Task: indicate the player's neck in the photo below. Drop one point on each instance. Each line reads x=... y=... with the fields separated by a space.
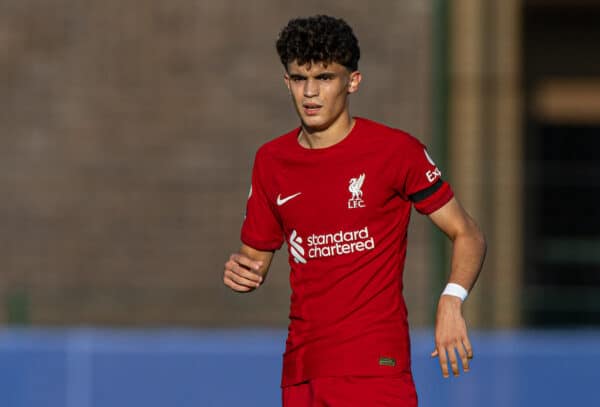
x=315 y=139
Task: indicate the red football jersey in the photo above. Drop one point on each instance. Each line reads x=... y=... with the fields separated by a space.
x=344 y=212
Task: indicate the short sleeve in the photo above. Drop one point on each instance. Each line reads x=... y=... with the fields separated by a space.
x=261 y=229
x=420 y=180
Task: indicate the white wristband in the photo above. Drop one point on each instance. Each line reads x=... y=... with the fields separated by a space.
x=456 y=290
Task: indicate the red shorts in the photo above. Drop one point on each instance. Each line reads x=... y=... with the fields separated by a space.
x=351 y=391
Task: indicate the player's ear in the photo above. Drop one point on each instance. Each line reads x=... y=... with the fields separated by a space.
x=286 y=79
x=355 y=78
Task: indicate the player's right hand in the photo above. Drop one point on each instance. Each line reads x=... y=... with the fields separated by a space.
x=241 y=273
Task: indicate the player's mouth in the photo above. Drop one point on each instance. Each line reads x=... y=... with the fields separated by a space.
x=311 y=109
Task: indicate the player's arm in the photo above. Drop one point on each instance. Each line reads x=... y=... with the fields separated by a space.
x=246 y=270
x=468 y=252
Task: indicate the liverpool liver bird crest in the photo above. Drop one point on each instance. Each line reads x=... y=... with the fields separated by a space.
x=356 y=185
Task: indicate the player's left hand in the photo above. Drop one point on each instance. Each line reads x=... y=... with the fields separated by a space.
x=451 y=336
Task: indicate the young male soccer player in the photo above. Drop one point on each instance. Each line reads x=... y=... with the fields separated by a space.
x=339 y=190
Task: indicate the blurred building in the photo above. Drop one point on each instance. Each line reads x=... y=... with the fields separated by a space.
x=524 y=100
x=561 y=78
x=129 y=128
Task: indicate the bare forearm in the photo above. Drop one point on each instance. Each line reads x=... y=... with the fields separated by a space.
x=451 y=338
x=468 y=253
x=468 y=243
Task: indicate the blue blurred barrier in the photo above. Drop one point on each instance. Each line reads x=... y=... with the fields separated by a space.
x=225 y=368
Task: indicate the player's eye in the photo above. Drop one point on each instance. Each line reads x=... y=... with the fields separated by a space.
x=296 y=78
x=325 y=77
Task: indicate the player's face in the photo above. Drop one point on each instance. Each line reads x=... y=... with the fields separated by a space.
x=320 y=92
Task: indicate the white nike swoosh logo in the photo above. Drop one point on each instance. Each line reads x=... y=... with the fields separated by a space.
x=281 y=201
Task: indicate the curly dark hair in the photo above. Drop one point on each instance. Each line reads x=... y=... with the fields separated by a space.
x=319 y=38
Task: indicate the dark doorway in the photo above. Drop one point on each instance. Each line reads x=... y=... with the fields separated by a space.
x=562 y=151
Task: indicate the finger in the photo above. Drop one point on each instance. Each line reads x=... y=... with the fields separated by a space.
x=246 y=261
x=239 y=280
x=468 y=347
x=463 y=356
x=235 y=287
x=434 y=353
x=243 y=272
x=443 y=361
x=453 y=360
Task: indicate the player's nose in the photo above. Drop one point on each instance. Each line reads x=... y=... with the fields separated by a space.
x=311 y=88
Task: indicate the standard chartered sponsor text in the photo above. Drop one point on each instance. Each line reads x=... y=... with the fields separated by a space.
x=339 y=243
